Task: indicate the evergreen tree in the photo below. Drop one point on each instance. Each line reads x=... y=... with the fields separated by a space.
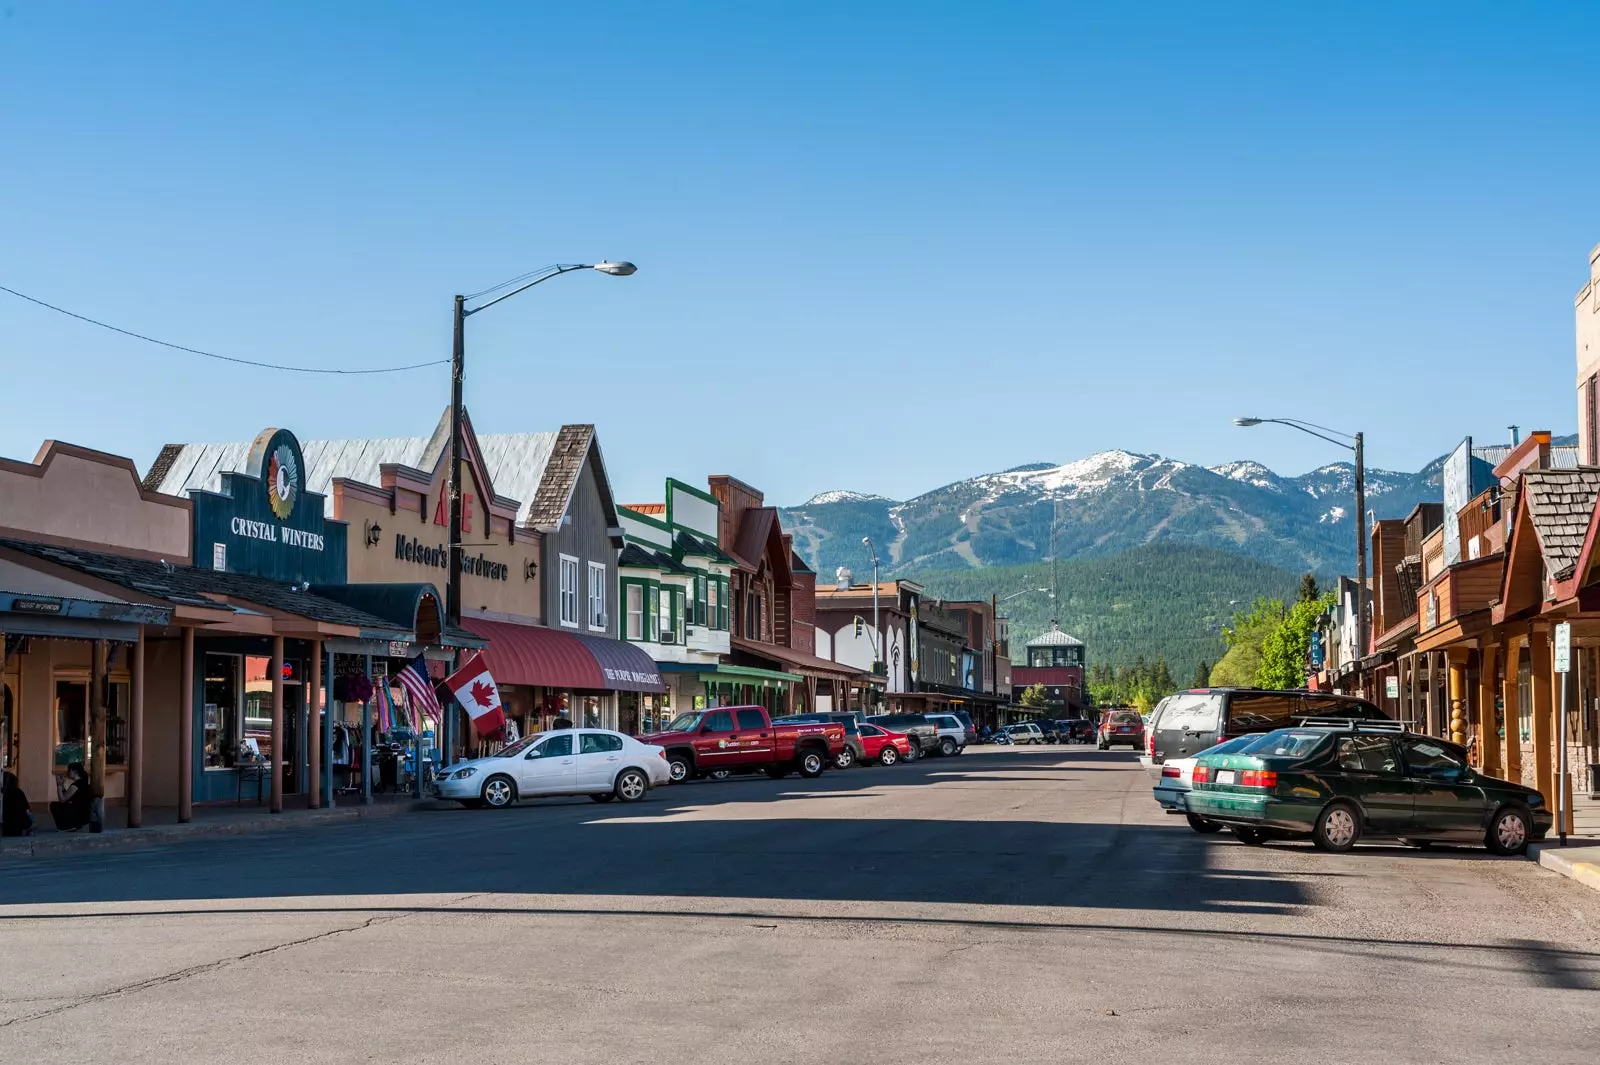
x=1309 y=592
x=1202 y=675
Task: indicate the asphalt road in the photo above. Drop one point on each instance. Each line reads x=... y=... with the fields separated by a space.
x=1010 y=905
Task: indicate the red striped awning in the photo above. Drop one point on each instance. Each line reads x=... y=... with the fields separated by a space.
x=553 y=658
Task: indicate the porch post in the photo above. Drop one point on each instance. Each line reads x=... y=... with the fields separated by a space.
x=1488 y=742
x=1543 y=711
x=97 y=736
x=1511 y=712
x=186 y=730
x=327 y=735
x=1457 y=659
x=366 y=744
x=136 y=737
x=313 y=690
x=278 y=753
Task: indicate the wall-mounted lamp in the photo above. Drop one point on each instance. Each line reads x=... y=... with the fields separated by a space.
x=373 y=531
x=530 y=569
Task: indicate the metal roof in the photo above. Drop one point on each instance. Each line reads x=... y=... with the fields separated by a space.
x=516 y=463
x=1055 y=638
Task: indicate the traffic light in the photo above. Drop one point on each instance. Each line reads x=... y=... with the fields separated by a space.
x=859 y=626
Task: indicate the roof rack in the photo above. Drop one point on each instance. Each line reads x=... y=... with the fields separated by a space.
x=1353 y=724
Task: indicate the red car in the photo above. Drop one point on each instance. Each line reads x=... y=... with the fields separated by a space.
x=741 y=739
x=1120 y=726
x=880 y=745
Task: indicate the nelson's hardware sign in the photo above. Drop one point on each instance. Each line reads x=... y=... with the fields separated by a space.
x=264 y=523
x=410 y=549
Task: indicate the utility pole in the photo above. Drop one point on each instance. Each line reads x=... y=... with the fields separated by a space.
x=1361 y=565
x=452 y=595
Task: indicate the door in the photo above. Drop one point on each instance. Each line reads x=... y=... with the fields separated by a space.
x=1446 y=808
x=1371 y=771
x=549 y=768
x=1188 y=725
x=711 y=743
x=599 y=759
x=752 y=737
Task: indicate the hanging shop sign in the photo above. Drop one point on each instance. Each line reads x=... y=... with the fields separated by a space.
x=264 y=523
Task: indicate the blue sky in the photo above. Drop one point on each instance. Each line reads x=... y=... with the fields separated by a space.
x=881 y=247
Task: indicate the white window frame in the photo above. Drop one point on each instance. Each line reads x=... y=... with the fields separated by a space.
x=569 y=591
x=664 y=630
x=597 y=596
x=640 y=632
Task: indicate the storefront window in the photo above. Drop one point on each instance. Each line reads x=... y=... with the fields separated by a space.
x=72 y=722
x=8 y=727
x=220 y=719
x=591 y=711
x=117 y=715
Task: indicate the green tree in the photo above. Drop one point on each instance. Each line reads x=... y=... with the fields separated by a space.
x=1202 y=675
x=1033 y=695
x=1309 y=593
x=1245 y=636
x=1286 y=647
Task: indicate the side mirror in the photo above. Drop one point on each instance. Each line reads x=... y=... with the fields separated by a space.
x=535 y=753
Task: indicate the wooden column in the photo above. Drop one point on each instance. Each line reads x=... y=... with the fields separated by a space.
x=278 y=753
x=1543 y=713
x=1457 y=658
x=1488 y=742
x=136 y=736
x=97 y=736
x=313 y=689
x=186 y=730
x=1511 y=760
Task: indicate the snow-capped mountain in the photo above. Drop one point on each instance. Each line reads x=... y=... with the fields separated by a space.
x=1101 y=505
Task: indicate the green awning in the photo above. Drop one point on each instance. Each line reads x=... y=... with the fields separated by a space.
x=766 y=678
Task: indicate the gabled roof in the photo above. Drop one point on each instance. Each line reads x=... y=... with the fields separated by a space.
x=639 y=556
x=1055 y=638
x=1560 y=504
x=761 y=536
x=689 y=545
x=543 y=470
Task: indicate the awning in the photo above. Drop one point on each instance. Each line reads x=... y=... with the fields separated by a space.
x=761 y=678
x=552 y=658
x=800 y=662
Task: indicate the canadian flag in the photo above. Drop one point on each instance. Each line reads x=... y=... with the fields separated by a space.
x=475 y=690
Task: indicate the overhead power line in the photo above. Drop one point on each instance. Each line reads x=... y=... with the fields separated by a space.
x=214 y=355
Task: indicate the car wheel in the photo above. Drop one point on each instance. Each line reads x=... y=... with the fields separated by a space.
x=777 y=772
x=812 y=764
x=1203 y=826
x=471 y=804
x=913 y=752
x=1250 y=836
x=499 y=792
x=1338 y=828
x=1508 y=832
x=844 y=759
x=947 y=747
x=680 y=768
x=604 y=796
x=888 y=756
x=631 y=786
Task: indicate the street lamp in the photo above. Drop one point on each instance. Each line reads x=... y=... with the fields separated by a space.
x=1352 y=442
x=867 y=540
x=522 y=282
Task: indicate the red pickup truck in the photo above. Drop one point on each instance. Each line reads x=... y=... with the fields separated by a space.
x=743 y=738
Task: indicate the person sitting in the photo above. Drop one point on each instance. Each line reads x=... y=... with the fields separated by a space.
x=15 y=820
x=76 y=805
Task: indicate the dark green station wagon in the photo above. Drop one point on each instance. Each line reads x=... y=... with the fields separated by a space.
x=1335 y=783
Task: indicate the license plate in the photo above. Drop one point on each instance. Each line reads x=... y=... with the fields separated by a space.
x=1224 y=776
x=1125 y=729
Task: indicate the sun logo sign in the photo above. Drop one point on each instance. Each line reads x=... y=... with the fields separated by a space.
x=283 y=481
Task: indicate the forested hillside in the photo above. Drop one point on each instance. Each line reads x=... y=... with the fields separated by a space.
x=1159 y=601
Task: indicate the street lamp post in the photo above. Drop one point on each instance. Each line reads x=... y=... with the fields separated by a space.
x=452 y=595
x=875 y=630
x=1357 y=445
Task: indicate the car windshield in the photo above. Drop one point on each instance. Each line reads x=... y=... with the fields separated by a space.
x=1284 y=743
x=521 y=745
x=1233 y=746
x=683 y=723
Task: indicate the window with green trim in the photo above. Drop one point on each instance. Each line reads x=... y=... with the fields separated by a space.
x=699 y=600
x=652 y=609
x=633 y=605
x=722 y=604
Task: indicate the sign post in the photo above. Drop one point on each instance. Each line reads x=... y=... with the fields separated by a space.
x=1563 y=667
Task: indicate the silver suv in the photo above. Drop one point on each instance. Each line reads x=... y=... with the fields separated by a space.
x=952 y=733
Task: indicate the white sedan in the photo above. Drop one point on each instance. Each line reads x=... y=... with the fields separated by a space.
x=601 y=764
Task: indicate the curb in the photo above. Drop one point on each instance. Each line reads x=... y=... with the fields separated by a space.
x=1580 y=863
x=79 y=842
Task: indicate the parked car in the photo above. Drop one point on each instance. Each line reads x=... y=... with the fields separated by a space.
x=924 y=735
x=1120 y=726
x=853 y=751
x=1024 y=732
x=744 y=739
x=1335 y=785
x=1195 y=720
x=966 y=723
x=1172 y=788
x=1076 y=730
x=601 y=764
x=882 y=746
x=951 y=732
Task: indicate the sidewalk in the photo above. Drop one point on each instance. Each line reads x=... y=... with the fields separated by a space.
x=1580 y=858
x=210 y=819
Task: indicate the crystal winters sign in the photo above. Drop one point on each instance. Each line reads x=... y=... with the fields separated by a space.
x=269 y=524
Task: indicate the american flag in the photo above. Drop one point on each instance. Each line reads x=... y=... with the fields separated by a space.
x=419 y=689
